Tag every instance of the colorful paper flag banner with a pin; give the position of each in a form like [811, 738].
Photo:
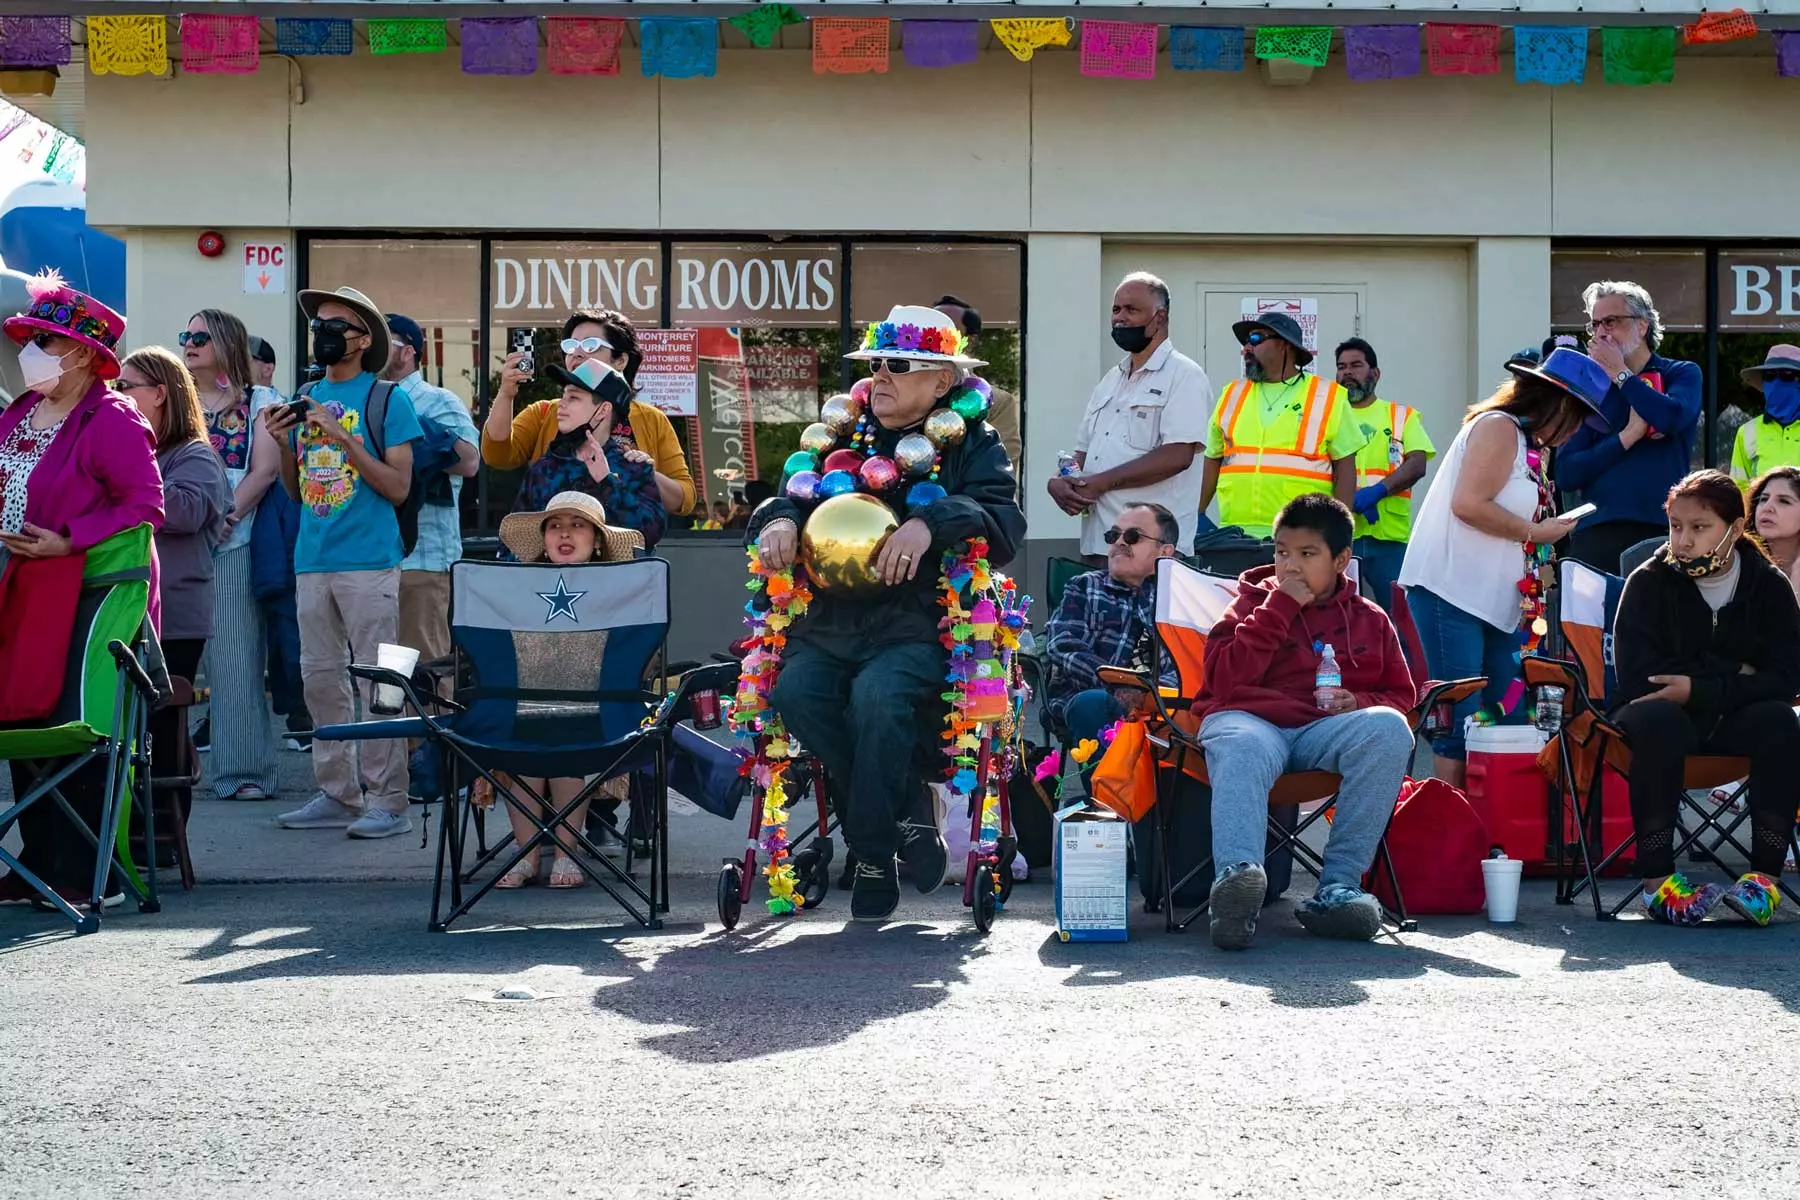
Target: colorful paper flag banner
[314, 35]
[850, 45]
[34, 41]
[499, 45]
[584, 45]
[1787, 52]
[213, 44]
[1552, 54]
[1309, 45]
[1639, 56]
[407, 35]
[1463, 49]
[128, 45]
[939, 43]
[1118, 50]
[764, 23]
[1206, 48]
[678, 47]
[1381, 51]
[1733, 26]
[1025, 36]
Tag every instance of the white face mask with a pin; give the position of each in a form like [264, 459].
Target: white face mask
[41, 369]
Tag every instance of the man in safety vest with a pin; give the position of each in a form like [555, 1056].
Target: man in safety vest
[1392, 459]
[1278, 432]
[1773, 439]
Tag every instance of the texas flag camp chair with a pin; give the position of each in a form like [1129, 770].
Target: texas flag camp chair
[1584, 606]
[550, 663]
[1189, 603]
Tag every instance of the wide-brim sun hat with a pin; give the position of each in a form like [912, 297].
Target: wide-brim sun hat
[1782, 357]
[59, 309]
[523, 532]
[918, 334]
[1575, 373]
[1283, 327]
[372, 319]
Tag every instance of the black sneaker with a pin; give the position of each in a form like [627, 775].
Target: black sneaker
[299, 736]
[925, 854]
[875, 892]
[1234, 904]
[203, 736]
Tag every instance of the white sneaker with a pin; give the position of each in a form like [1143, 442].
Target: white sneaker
[321, 812]
[379, 823]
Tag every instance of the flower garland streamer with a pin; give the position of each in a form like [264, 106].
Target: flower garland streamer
[781, 599]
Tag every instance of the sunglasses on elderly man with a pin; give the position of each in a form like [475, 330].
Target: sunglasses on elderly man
[586, 345]
[196, 340]
[1130, 537]
[900, 366]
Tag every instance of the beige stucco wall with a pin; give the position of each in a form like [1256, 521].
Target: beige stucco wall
[167, 281]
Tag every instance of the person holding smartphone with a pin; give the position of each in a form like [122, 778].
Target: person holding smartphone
[585, 457]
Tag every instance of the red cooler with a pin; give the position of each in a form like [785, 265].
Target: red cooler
[1512, 797]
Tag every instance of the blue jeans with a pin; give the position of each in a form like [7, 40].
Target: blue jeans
[863, 710]
[1459, 645]
[1380, 561]
[1087, 713]
[1371, 748]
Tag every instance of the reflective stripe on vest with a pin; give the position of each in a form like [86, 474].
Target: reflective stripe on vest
[1398, 416]
[1305, 459]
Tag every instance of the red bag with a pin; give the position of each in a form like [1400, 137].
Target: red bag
[1437, 841]
[39, 597]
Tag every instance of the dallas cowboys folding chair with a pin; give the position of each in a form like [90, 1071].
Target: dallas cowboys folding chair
[550, 663]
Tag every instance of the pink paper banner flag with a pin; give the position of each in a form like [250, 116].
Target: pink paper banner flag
[1463, 49]
[1118, 50]
[1381, 51]
[939, 43]
[218, 45]
[584, 45]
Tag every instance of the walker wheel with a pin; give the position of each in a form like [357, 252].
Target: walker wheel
[985, 901]
[731, 878]
[812, 876]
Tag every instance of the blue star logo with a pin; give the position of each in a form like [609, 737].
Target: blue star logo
[561, 602]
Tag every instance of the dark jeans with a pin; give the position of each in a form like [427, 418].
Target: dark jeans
[1662, 735]
[1380, 562]
[862, 710]
[1599, 546]
[1460, 645]
[283, 633]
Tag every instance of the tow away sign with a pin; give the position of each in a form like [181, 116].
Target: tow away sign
[265, 268]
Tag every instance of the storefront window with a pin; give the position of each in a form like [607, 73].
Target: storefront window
[986, 276]
[1759, 307]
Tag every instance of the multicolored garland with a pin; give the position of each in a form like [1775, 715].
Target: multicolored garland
[984, 616]
[1533, 621]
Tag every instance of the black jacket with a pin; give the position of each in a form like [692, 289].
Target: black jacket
[1664, 627]
[981, 502]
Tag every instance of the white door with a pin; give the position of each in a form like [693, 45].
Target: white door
[1328, 313]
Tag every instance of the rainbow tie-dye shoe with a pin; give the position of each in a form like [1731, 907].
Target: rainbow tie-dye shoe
[1755, 898]
[1678, 902]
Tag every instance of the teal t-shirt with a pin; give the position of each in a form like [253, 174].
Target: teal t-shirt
[346, 525]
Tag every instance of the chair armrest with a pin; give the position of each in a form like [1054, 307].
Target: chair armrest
[392, 678]
[134, 670]
[1540, 671]
[1125, 677]
[1440, 691]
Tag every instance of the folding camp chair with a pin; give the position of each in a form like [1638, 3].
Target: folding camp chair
[102, 716]
[550, 668]
[1189, 603]
[1585, 603]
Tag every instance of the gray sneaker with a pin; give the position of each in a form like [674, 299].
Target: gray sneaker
[1341, 911]
[321, 812]
[379, 823]
[1236, 899]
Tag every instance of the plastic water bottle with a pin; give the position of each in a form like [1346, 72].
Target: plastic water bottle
[1328, 676]
[1066, 465]
[1550, 709]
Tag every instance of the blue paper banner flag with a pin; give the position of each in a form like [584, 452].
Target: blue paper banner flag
[1552, 54]
[679, 47]
[313, 35]
[1206, 48]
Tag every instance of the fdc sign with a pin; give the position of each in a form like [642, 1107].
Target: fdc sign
[265, 268]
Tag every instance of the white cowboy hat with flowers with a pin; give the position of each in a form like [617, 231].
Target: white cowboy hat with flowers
[917, 333]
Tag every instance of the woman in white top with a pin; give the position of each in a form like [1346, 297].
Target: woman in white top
[1481, 536]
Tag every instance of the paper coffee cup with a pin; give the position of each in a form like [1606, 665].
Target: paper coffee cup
[401, 659]
[1501, 877]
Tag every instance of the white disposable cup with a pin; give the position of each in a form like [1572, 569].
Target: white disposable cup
[1501, 877]
[400, 659]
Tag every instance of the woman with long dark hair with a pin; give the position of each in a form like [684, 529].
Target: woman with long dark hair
[1775, 515]
[1706, 648]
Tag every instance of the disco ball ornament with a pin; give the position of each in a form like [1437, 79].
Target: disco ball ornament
[970, 406]
[945, 428]
[923, 494]
[817, 438]
[879, 474]
[843, 460]
[980, 387]
[838, 414]
[803, 486]
[840, 541]
[798, 461]
[859, 391]
[836, 483]
[915, 455]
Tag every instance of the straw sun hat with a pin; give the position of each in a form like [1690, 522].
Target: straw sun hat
[523, 532]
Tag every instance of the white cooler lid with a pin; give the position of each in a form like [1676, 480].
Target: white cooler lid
[1503, 739]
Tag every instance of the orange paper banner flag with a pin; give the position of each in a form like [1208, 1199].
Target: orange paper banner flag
[850, 45]
[1732, 26]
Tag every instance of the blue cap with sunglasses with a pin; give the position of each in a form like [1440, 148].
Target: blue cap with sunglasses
[408, 331]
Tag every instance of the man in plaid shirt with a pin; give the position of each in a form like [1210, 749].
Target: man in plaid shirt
[1105, 620]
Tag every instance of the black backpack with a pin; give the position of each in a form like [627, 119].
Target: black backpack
[374, 426]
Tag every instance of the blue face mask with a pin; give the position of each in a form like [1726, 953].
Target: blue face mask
[1781, 400]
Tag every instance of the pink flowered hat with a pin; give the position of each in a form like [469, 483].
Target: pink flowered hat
[58, 308]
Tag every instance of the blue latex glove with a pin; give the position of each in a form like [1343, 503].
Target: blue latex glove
[1366, 499]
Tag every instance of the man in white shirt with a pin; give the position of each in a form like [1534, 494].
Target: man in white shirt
[1144, 425]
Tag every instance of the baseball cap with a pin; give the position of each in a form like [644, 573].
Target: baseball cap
[408, 331]
[261, 351]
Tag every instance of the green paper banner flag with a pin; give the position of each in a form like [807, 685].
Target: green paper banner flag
[1307, 44]
[407, 35]
[763, 24]
[1637, 57]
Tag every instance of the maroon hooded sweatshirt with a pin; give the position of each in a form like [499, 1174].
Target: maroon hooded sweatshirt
[1263, 656]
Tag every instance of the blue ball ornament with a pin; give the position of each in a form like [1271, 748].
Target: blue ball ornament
[803, 486]
[923, 494]
[836, 483]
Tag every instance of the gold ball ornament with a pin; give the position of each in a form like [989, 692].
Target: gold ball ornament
[839, 413]
[840, 541]
[914, 455]
[945, 428]
[817, 438]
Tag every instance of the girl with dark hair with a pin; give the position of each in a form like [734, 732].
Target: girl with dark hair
[1706, 646]
[1775, 511]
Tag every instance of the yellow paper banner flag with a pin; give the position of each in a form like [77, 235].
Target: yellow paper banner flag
[128, 45]
[1025, 36]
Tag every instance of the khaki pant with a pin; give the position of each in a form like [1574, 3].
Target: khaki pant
[425, 613]
[343, 617]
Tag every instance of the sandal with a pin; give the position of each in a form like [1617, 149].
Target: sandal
[565, 872]
[523, 872]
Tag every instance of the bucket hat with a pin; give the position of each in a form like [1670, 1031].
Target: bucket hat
[1781, 357]
[60, 309]
[375, 357]
[1575, 373]
[523, 532]
[1283, 327]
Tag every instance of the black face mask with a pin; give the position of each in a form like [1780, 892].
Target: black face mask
[1131, 338]
[329, 347]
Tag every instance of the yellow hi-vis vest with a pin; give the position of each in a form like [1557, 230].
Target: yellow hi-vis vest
[1369, 468]
[1260, 473]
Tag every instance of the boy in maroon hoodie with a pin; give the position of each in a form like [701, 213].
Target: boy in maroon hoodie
[1263, 713]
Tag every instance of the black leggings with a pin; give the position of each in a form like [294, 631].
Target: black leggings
[183, 657]
[1663, 735]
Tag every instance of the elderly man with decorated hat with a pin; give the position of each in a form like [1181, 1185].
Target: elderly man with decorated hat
[899, 494]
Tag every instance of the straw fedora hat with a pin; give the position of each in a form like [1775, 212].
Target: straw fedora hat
[523, 532]
[375, 357]
[919, 334]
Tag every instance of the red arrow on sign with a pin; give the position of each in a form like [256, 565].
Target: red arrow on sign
[263, 280]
